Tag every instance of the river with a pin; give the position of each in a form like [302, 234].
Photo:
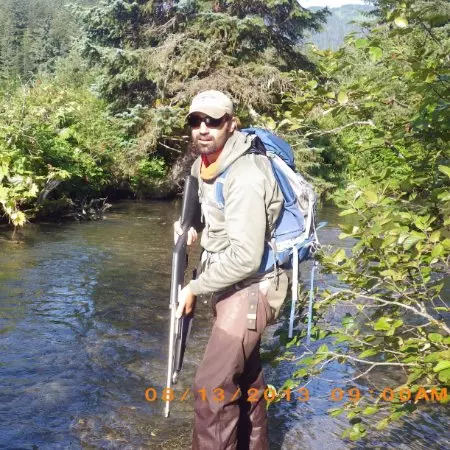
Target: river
[84, 332]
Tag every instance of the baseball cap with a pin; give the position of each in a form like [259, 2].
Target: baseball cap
[215, 104]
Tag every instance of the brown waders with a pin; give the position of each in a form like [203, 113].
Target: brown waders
[230, 409]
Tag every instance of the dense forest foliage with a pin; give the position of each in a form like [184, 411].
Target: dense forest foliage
[34, 34]
[381, 108]
[93, 101]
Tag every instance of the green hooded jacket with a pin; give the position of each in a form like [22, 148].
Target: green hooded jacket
[234, 238]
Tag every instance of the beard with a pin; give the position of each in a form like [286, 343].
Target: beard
[205, 146]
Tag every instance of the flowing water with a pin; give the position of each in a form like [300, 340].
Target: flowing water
[84, 333]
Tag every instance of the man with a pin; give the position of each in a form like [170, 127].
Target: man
[230, 409]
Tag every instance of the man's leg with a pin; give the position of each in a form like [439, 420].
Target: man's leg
[231, 358]
[252, 430]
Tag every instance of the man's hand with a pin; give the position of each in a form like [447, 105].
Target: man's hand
[178, 231]
[186, 301]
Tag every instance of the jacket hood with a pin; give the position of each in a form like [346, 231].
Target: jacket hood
[237, 144]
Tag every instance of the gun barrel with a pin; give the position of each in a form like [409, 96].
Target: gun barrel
[179, 328]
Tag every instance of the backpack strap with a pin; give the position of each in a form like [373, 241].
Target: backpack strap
[256, 148]
[220, 199]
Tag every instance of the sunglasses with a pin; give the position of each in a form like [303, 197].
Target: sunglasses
[195, 121]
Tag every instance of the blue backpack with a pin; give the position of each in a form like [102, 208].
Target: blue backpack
[294, 238]
[295, 228]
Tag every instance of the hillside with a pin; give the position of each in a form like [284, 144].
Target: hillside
[34, 34]
[338, 25]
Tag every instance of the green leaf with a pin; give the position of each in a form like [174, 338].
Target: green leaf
[401, 22]
[307, 361]
[397, 415]
[375, 53]
[347, 212]
[382, 424]
[435, 235]
[292, 342]
[441, 365]
[336, 411]
[288, 384]
[343, 98]
[300, 373]
[444, 376]
[433, 357]
[342, 338]
[382, 324]
[371, 196]
[357, 432]
[431, 78]
[270, 123]
[435, 337]
[339, 256]
[369, 352]
[370, 410]
[410, 241]
[445, 169]
[413, 376]
[65, 133]
[396, 276]
[348, 321]
[3, 194]
[361, 43]
[323, 349]
[442, 308]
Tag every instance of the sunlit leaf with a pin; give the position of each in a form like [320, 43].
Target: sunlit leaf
[361, 43]
[339, 256]
[437, 251]
[371, 196]
[382, 424]
[445, 169]
[375, 53]
[382, 324]
[401, 22]
[348, 321]
[444, 376]
[347, 212]
[336, 412]
[342, 97]
[323, 349]
[435, 337]
[370, 410]
[369, 352]
[441, 365]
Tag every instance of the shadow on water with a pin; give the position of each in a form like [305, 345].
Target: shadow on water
[83, 333]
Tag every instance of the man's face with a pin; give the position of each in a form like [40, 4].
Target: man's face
[210, 135]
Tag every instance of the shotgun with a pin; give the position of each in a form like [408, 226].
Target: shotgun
[180, 328]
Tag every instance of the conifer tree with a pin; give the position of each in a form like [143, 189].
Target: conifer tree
[157, 54]
[167, 49]
[33, 35]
